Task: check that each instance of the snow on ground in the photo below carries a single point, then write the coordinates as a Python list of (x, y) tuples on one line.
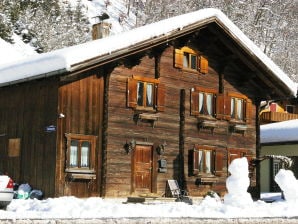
[(209, 207)]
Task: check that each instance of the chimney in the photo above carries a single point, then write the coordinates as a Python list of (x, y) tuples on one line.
[(101, 30)]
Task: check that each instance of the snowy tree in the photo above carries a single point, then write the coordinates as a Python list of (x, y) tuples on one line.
[(271, 24)]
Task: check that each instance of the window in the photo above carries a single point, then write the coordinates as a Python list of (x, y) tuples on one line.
[(188, 59), (237, 108), (203, 102), (80, 156), (234, 106), (145, 94), (290, 109), (208, 161), (239, 153)]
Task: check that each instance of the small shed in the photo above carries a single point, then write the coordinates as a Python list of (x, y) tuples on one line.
[(278, 140)]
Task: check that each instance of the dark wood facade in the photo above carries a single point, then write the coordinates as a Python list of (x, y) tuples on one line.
[(91, 133)]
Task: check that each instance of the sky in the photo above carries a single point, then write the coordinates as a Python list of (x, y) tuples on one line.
[(237, 203)]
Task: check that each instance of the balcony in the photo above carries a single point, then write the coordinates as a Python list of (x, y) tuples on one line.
[(268, 117)]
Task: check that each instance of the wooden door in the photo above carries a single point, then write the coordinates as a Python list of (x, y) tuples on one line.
[(142, 169)]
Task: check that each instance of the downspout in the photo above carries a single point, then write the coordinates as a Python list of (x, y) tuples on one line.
[(105, 134), (258, 148), (182, 140)]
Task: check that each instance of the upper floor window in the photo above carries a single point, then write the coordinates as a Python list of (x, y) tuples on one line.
[(145, 94), (237, 108), (203, 102), (189, 59), (234, 106), (80, 156)]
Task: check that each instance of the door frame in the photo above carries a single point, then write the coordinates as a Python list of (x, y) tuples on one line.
[(153, 187)]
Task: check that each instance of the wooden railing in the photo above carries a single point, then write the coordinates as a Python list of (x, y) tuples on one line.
[(267, 117)]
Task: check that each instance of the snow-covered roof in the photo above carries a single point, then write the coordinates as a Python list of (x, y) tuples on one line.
[(69, 59), (285, 131)]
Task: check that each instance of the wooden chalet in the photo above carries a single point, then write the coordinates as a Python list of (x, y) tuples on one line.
[(178, 99)]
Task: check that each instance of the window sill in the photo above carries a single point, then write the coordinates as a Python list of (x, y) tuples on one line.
[(207, 123), (149, 117), (206, 180), (81, 176), (238, 127), (82, 171)]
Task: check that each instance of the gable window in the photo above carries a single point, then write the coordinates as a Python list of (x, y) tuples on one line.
[(208, 161), (203, 102), (189, 59), (80, 155), (145, 94)]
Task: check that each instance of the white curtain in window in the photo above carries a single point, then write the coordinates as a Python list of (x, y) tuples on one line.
[(85, 149), (201, 102), (239, 109), (208, 161), (201, 161), (209, 103), (149, 95), (233, 107), (73, 154), (185, 60)]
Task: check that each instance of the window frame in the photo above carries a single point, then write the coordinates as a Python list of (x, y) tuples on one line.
[(218, 161), (235, 153), (200, 65), (195, 102), (158, 94), (246, 108), (80, 138)]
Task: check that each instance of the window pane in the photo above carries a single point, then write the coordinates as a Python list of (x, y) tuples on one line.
[(193, 61), (210, 104), (201, 161), (239, 109), (73, 159), (85, 154), (186, 60), (149, 102), (208, 161), (201, 103), (140, 94), (232, 107)]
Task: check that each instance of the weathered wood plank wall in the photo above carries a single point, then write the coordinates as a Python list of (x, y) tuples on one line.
[(26, 111)]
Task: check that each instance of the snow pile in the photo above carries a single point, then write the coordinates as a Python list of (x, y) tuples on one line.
[(289, 185), (237, 204), (237, 184)]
